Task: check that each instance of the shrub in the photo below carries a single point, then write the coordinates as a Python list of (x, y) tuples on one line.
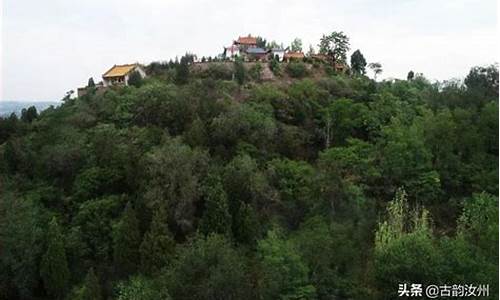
[(274, 65), (296, 69), (218, 71), (255, 71)]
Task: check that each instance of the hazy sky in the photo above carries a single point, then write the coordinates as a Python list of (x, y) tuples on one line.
[(50, 47)]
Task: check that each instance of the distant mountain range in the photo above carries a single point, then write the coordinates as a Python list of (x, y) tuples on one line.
[(8, 107)]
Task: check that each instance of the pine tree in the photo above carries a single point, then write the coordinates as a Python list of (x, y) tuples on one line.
[(182, 70), (126, 241), (135, 79), (54, 266), (358, 62), (91, 83), (158, 246), (410, 76), (239, 71), (216, 218), (246, 225), (91, 289)]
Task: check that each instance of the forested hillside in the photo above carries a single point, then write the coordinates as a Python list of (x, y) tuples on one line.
[(215, 184)]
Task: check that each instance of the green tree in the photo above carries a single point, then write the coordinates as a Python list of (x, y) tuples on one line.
[(173, 177), (216, 217), (296, 45), (22, 236), (479, 224), (376, 69), (358, 63), (255, 71), (344, 118), (336, 269), (261, 42), (90, 290), (139, 287), (90, 235), (54, 265), (239, 71), (209, 268), (398, 250), (335, 45), (410, 76), (158, 246), (135, 79), (483, 80), (91, 83), (274, 65), (294, 182), (285, 275), (296, 69), (126, 241), (182, 70), (28, 115)]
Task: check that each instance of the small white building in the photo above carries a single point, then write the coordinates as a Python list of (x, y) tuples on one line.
[(231, 52), (119, 74), (278, 53)]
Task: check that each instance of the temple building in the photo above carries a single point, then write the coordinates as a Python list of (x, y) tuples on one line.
[(119, 74)]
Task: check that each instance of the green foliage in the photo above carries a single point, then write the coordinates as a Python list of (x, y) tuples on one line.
[(261, 42), (336, 267), (405, 237), (216, 217), (158, 246), (335, 45), (296, 45), (182, 70), (483, 80), (209, 268), (218, 71), (255, 71), (344, 118), (54, 265), (126, 241), (294, 182), (400, 243), (275, 66), (91, 83), (239, 71), (90, 236), (21, 235), (173, 178), (358, 63), (376, 68), (284, 274), (479, 223), (90, 290), (296, 69), (135, 79), (410, 76), (169, 188), (28, 115), (139, 287)]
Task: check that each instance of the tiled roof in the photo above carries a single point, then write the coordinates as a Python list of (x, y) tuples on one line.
[(319, 56), (294, 55), (119, 70), (256, 51), (247, 40)]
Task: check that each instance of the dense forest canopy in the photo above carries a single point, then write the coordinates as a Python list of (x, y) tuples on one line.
[(214, 184)]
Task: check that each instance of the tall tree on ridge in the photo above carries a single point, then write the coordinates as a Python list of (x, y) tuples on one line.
[(335, 46), (376, 68), (358, 63)]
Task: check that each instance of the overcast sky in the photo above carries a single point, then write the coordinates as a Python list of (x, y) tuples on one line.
[(50, 47)]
